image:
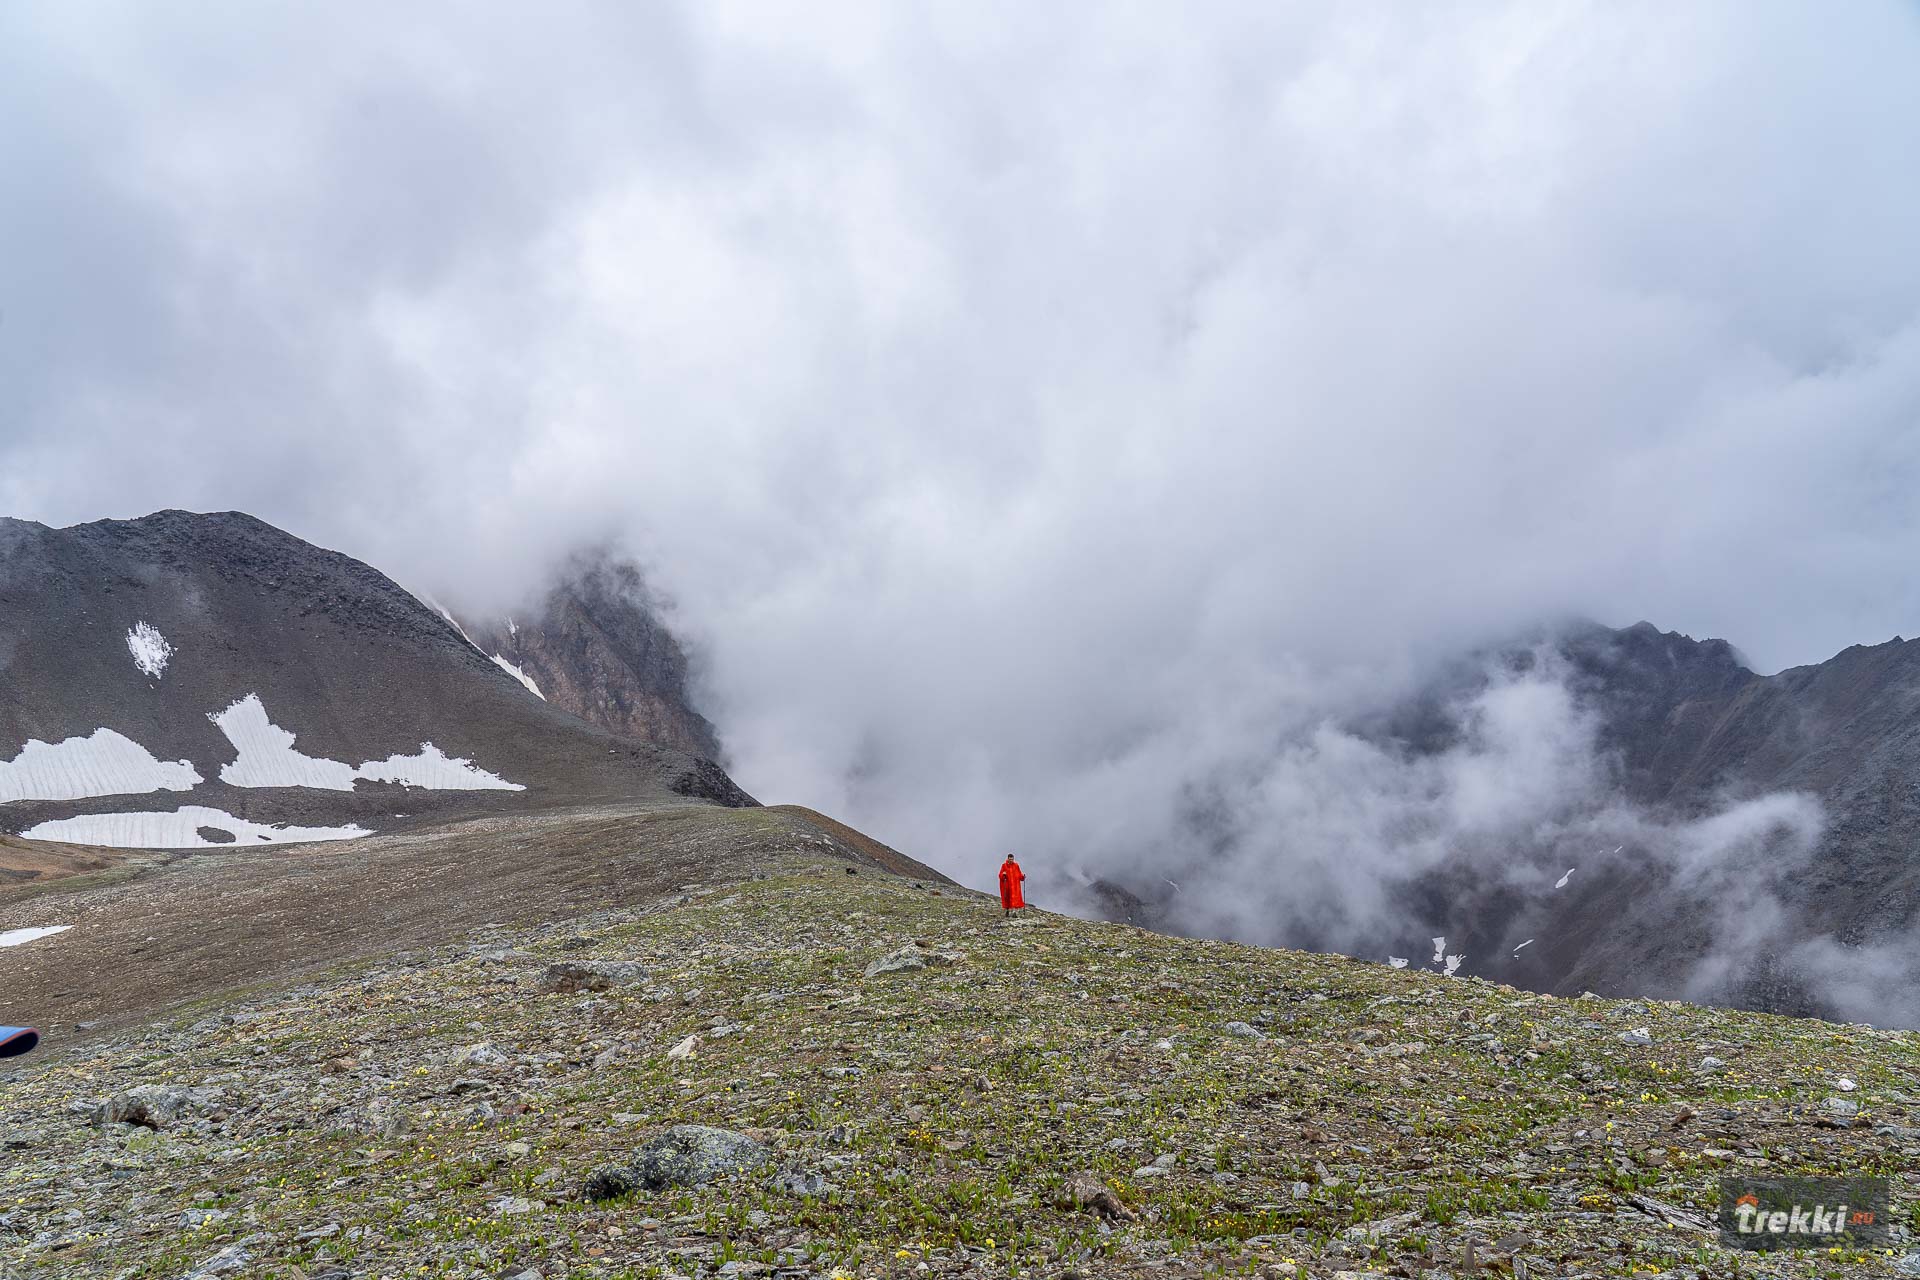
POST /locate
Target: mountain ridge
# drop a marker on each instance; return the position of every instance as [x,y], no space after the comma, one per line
[126,644]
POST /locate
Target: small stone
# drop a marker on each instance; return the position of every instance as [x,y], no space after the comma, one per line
[799,1182]
[512,1206]
[1085,1191]
[480,1055]
[1244,1031]
[1637,1036]
[685,1049]
[230,1261]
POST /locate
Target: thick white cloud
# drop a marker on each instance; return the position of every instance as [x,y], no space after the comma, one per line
[1032,409]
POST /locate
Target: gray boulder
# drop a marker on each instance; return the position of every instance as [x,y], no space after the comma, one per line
[569,976]
[910,957]
[687,1155]
[155,1106]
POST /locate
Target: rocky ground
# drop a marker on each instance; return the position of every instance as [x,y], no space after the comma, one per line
[890,1081]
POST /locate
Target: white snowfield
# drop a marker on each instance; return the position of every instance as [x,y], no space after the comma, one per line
[519,675]
[16,937]
[434,770]
[149,648]
[103,763]
[106,763]
[267,759]
[179,830]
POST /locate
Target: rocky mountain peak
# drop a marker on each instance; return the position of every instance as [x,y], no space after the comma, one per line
[594,644]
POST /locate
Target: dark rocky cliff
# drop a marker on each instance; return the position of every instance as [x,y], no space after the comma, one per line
[596,647]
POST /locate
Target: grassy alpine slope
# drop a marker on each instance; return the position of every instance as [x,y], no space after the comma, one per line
[436,1113]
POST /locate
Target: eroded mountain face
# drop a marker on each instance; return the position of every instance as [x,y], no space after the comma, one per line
[186,681]
[595,646]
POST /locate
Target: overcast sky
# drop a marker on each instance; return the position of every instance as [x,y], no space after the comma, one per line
[1011,397]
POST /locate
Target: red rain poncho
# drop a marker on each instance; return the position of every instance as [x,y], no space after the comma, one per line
[1010,877]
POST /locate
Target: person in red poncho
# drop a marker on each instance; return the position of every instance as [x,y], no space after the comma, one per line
[1010,877]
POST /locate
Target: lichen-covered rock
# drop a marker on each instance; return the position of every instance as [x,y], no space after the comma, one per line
[687,1155]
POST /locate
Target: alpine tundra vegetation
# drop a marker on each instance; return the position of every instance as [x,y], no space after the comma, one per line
[1062,1098]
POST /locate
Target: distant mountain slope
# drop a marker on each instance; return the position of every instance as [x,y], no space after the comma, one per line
[1693,731]
[595,646]
[188,679]
[1685,732]
[1695,728]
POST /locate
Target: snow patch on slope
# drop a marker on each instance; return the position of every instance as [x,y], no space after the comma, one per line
[149,648]
[452,621]
[267,757]
[16,937]
[178,830]
[436,771]
[104,763]
[521,676]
